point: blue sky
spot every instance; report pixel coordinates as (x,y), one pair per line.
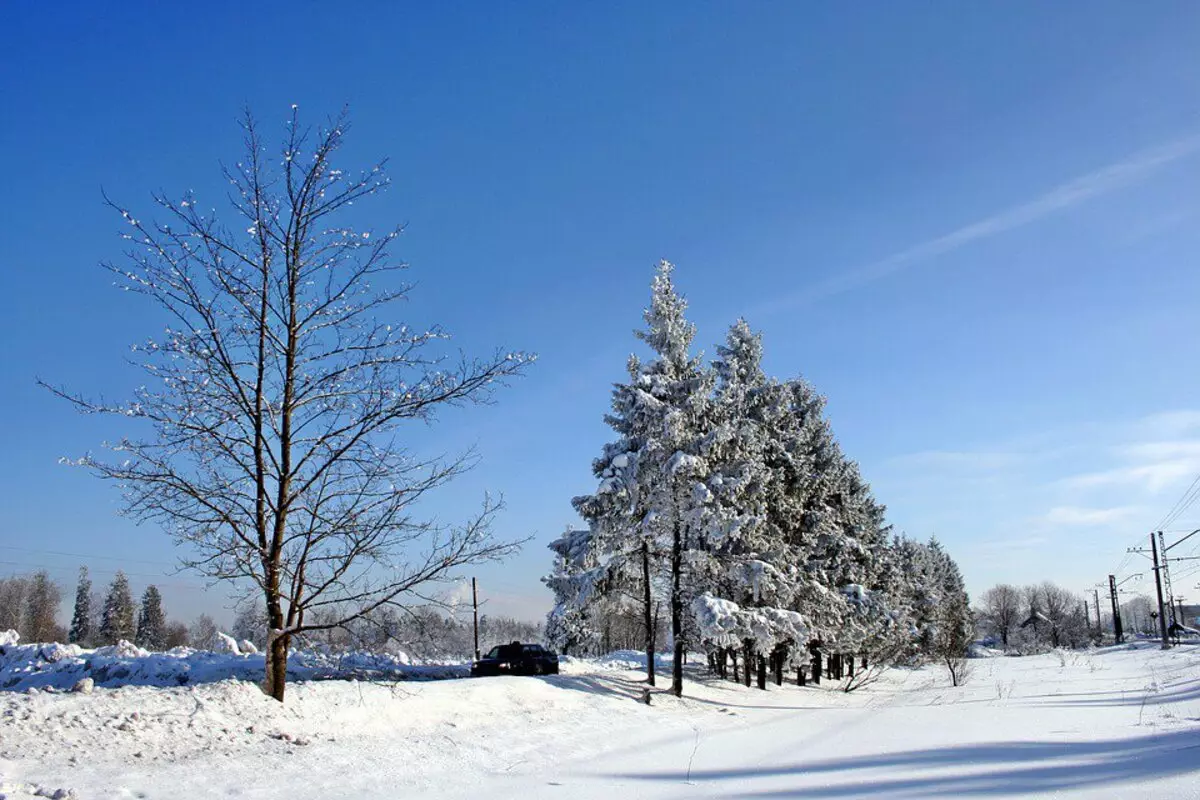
(974,227)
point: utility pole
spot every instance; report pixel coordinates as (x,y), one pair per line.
(1179,619)
(1087,620)
(1099,622)
(475,614)
(1166,577)
(1162,617)
(1118,634)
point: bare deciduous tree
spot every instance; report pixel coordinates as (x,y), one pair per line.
(1000,609)
(41,610)
(276,398)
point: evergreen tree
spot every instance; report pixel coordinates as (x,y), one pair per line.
(648,508)
(117,619)
(81,620)
(152,622)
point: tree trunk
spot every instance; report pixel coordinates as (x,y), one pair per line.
(649,619)
(850,666)
(780,655)
(816,668)
(799,674)
(748,661)
(864,661)
(677,607)
(276,662)
(762,672)
(733,657)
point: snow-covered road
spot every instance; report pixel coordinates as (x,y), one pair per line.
(1118,723)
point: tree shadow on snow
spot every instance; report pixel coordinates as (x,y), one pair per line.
(994,768)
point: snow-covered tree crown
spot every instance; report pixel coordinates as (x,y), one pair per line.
(668,333)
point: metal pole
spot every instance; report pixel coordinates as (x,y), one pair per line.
(1162,617)
(475,614)
(1099,622)
(1118,633)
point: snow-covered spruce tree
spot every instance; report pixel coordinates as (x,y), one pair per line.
(152,622)
(745,574)
(580,583)
(648,509)
(955,623)
(81,621)
(272,423)
(117,620)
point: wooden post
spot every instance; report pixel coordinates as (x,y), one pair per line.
(475,614)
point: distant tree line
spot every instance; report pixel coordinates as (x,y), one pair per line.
(29,604)
(1027,619)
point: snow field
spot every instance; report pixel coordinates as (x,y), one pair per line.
(1120,722)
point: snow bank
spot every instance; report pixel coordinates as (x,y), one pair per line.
(59,666)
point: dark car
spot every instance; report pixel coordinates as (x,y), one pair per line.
(516,659)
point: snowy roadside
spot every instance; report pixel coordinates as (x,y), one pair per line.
(1118,722)
(60,666)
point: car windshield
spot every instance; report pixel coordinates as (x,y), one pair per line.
(535,649)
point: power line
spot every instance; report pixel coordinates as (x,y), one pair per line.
(1181,505)
(87,556)
(72,570)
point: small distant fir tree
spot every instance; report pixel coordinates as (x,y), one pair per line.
(152,622)
(118,621)
(81,632)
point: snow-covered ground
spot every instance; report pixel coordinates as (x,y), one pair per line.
(59,666)
(1121,722)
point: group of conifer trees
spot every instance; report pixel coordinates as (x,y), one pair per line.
(726,508)
(30,606)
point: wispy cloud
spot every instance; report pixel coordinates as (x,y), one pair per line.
(1075,515)
(1150,466)
(954,460)
(1064,196)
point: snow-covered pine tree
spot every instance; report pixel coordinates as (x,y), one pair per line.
(152,622)
(81,620)
(577,581)
(117,621)
(955,624)
(649,506)
(745,560)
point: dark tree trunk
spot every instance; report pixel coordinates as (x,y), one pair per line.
(850,666)
(816,668)
(276,661)
(800,675)
(677,607)
(747,662)
(864,661)
(649,612)
(733,657)
(780,656)
(762,672)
